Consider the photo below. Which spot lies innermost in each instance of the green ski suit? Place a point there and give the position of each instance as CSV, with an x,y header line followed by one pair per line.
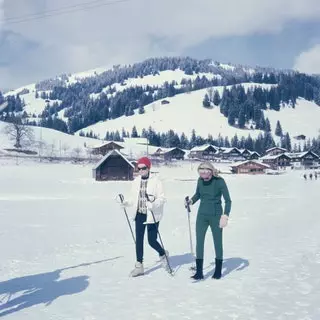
x,y
210,211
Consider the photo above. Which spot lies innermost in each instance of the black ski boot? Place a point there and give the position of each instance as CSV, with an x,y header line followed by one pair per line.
x,y
217,271
199,273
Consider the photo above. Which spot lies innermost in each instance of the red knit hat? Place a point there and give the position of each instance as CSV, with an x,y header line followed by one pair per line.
x,y
146,161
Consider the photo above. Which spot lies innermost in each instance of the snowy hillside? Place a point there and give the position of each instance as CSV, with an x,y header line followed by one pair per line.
x,y
168,93
185,112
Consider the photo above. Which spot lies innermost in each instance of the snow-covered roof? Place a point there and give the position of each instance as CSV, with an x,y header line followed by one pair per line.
x,y
300,154
112,153
104,143
276,148
273,157
238,164
203,147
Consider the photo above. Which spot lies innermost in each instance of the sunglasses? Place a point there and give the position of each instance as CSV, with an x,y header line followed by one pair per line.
x,y
204,171
142,168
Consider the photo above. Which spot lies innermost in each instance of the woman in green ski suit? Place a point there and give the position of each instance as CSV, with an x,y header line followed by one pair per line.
x,y
210,188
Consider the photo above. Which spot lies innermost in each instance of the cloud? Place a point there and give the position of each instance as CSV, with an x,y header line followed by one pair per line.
x,y
309,61
133,30
1,13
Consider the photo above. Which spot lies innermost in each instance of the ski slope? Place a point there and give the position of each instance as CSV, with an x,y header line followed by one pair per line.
x,y
66,249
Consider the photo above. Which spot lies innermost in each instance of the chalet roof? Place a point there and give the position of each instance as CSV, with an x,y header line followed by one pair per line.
x,y
255,152
203,147
276,148
166,150
228,150
112,153
105,143
300,154
238,164
273,157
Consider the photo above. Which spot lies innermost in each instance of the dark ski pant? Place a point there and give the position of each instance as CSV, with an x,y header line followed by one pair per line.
x,y
202,224
152,236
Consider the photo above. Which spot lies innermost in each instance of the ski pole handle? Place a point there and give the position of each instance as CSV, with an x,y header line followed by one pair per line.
x,y
187,204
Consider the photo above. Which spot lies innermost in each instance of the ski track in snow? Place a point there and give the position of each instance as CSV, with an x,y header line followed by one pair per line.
x,y
70,257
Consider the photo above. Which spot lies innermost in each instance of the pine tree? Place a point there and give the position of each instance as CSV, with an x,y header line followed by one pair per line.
x,y
141,109
193,140
241,119
206,101
134,133
216,98
278,131
268,126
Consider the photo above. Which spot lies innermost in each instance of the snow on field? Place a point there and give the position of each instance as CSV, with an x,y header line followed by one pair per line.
x,y
183,113
66,249
303,119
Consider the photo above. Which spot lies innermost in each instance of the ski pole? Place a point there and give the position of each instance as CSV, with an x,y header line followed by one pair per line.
x,y
154,219
190,234
125,211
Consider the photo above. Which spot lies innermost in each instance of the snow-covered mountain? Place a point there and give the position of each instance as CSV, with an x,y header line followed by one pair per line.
x,y
168,94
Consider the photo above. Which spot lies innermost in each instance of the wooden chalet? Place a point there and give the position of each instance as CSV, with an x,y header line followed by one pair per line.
x,y
170,154
106,147
205,152
275,151
306,159
232,154
277,161
254,155
249,167
113,166
250,155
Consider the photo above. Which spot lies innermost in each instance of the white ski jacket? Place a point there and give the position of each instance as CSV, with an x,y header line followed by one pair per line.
x,y
155,189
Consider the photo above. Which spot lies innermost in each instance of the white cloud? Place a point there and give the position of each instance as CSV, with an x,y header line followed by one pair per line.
x,y
1,13
309,61
125,32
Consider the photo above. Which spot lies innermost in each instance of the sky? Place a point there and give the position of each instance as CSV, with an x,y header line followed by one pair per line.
x,y
40,39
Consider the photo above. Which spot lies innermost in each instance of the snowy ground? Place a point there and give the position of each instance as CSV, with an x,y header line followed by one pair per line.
x,y
66,250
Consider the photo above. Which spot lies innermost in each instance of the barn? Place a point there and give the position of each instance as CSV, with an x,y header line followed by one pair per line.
x,y
249,167
106,147
280,160
113,166
170,154
204,152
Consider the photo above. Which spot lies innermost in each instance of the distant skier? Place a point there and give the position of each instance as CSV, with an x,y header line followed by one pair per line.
x,y
142,186
210,188
305,176
310,176
315,175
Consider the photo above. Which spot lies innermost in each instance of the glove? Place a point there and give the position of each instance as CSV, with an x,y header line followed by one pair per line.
x,y
149,205
223,221
124,204
187,202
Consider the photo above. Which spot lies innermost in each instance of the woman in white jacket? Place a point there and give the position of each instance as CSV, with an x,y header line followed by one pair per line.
x,y
145,185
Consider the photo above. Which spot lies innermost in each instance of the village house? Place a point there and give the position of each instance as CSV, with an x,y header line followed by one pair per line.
x,y
250,155
277,161
106,147
169,154
204,152
249,167
275,151
231,154
113,166
307,159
